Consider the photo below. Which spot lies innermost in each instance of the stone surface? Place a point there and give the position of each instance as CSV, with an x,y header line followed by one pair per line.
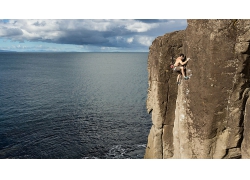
x,y
246,134
206,116
162,93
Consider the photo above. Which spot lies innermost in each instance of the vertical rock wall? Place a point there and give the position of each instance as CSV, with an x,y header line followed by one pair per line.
x,y
162,94
207,115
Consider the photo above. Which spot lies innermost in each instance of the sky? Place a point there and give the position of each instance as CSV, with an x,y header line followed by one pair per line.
x,y
101,26
84,35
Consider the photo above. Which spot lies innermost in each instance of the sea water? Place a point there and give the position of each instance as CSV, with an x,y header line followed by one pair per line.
x,y
73,105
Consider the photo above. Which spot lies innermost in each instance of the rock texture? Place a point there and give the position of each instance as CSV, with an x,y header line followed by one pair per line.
x,y
207,116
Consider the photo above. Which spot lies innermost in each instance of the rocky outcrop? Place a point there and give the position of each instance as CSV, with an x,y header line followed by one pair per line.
x,y
207,116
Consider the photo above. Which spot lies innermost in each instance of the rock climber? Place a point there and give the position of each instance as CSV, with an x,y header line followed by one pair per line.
x,y
179,67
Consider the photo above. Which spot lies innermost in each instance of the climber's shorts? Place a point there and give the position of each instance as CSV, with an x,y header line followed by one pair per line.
x,y
177,68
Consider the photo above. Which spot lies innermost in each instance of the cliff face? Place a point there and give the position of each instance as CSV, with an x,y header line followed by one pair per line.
x,y
207,116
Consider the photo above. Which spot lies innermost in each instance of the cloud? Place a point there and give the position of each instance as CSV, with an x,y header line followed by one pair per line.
x,y
140,27
43,23
10,32
130,40
145,40
98,32
149,20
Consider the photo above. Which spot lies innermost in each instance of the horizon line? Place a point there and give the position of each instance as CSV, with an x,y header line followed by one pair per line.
x,y
73,51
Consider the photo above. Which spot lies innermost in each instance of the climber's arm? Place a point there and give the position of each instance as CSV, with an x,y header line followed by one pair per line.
x,y
185,62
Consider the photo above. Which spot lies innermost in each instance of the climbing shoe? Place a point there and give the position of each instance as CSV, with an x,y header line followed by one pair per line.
x,y
186,78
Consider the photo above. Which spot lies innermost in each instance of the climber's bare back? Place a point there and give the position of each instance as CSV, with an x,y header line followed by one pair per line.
x,y
178,61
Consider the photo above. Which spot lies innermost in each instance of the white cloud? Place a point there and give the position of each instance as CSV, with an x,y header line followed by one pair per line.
x,y
130,40
118,38
145,40
140,26
33,29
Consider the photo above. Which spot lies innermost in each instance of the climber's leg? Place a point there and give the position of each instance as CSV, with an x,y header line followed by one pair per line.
x,y
178,78
182,71
183,74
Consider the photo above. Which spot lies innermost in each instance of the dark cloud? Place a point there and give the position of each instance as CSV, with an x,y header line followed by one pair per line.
x,y
115,37
14,32
10,32
43,23
118,31
86,37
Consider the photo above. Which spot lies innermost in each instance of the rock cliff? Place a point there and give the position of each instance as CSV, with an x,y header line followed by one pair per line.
x,y
207,116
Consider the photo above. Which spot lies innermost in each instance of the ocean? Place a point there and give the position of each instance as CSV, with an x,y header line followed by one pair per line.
x,y
73,105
